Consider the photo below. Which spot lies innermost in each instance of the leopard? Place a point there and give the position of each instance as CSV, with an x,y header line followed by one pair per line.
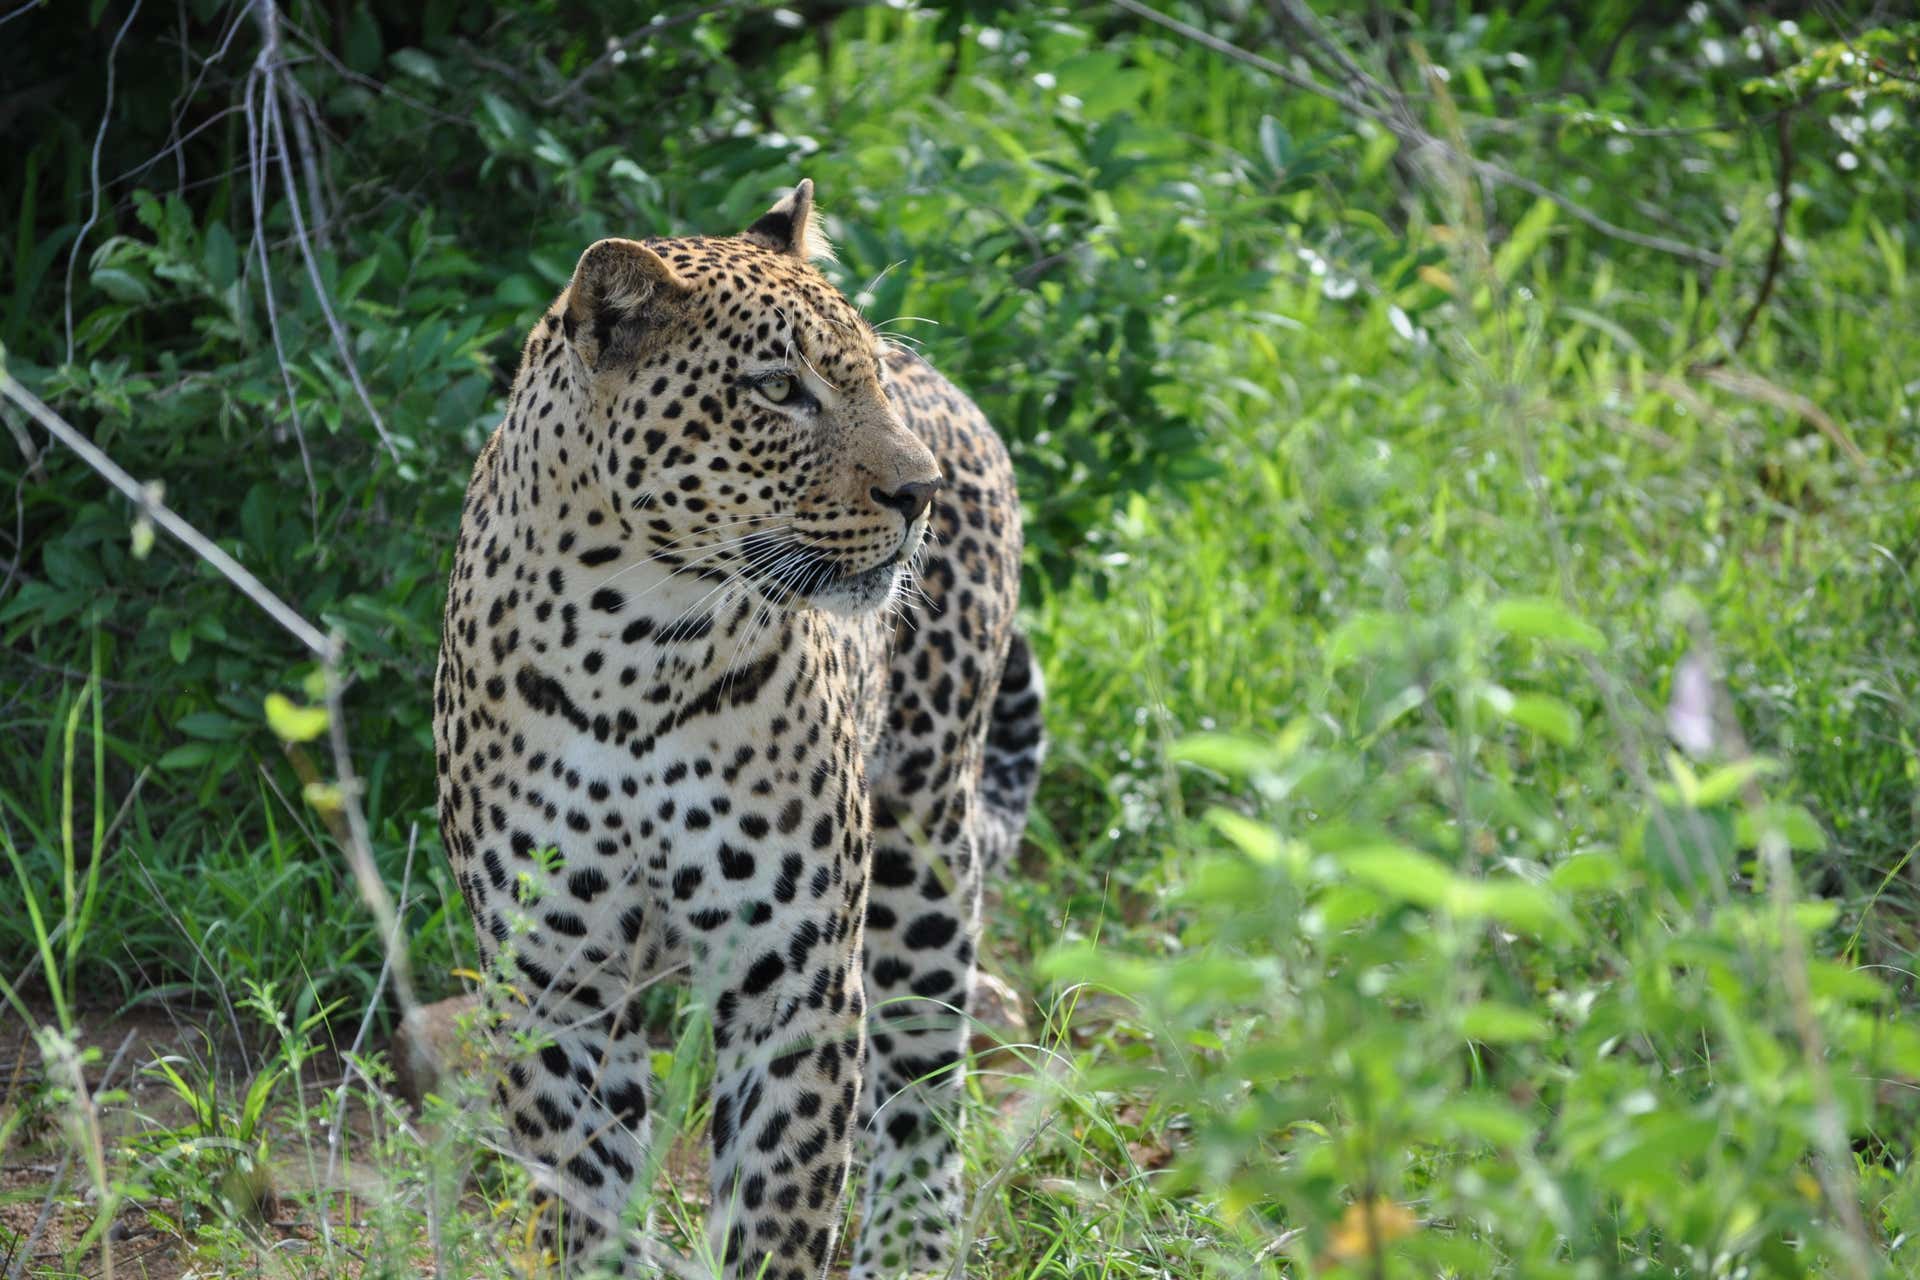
x,y
732,695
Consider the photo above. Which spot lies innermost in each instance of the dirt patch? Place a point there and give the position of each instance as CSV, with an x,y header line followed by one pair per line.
x,y
208,1183
126,1106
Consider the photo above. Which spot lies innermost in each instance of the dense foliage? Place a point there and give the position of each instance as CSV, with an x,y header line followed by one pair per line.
x,y
1473,508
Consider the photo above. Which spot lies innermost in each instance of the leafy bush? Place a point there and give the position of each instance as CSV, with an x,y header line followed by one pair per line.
x,y
1426,1017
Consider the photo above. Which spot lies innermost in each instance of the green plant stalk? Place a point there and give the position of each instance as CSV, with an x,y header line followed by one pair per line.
x,y
80,917
43,941
70,889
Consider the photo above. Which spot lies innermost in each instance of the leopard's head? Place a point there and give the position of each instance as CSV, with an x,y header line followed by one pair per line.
x,y
733,401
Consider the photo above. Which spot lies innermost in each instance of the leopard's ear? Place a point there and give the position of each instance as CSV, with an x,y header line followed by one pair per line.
x,y
791,226
622,292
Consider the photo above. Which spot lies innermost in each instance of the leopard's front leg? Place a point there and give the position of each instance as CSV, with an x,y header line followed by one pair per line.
x,y
573,1088
782,980
923,929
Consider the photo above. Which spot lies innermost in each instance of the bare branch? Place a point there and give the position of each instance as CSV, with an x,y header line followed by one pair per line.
x,y
338,330
1753,387
373,890
1832,1161
1415,136
148,503
27,1249
616,48
99,138
319,49
257,142
184,101
268,66
1783,198
310,168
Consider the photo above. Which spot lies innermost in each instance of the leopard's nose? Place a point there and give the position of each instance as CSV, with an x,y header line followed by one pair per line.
x,y
909,499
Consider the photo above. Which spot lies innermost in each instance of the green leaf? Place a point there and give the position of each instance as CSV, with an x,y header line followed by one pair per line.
x,y
1509,900
362,45
1816,914
505,117
1547,716
218,253
1526,239
1363,634
1588,873
355,278
211,726
180,644
1255,839
189,755
1276,144
294,723
325,797
1536,618
1494,1023
1345,905
1223,881
1231,754
257,522
1833,980
1485,1118
1801,830
1728,780
417,64
1652,1163
121,286
1402,873
1891,1044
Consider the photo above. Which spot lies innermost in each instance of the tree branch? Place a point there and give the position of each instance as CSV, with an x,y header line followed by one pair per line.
x,y
615,48
1413,135
273,109
146,500
1783,131
99,139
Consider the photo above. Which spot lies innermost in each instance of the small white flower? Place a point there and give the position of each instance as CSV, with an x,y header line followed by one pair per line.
x,y
1690,707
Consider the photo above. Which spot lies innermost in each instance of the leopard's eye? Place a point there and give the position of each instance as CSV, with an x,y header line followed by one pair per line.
x,y
779,388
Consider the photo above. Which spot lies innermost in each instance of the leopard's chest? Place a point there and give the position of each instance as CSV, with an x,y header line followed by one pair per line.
x,y
660,800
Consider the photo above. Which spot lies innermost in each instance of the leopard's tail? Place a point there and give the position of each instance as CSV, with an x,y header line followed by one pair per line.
x,y
1016,743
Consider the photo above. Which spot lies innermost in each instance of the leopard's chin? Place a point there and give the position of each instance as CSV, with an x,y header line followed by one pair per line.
x,y
862,593
865,591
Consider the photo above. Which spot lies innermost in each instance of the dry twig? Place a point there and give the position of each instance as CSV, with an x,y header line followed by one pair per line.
x,y
274,99
1783,197
1402,126
99,138
616,48
257,198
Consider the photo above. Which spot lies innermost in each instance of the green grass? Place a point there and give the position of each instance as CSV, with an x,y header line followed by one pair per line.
x,y
1371,923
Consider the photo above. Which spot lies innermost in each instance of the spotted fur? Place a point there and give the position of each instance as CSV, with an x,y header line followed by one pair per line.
x,y
730,693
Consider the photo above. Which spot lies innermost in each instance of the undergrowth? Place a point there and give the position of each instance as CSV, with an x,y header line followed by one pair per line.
x,y
1481,648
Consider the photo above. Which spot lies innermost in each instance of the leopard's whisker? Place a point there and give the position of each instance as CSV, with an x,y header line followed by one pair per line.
x,y
664,551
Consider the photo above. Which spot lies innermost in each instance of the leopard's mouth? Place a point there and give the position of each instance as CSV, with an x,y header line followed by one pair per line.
x,y
797,573
880,576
